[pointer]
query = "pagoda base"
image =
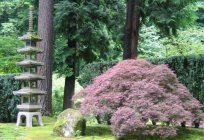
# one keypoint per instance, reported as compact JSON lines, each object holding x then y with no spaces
{"x":28,"y":117}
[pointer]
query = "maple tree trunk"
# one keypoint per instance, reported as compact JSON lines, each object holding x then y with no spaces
{"x":154,"y":122}
{"x":45,"y":31}
{"x":132,"y":26}
{"x":98,"y":119}
{"x":183,"y":124}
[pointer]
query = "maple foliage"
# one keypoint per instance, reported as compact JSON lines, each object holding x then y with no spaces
{"x":136,"y":91}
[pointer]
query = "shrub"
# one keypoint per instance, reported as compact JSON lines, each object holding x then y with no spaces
{"x":189,"y":70}
{"x":162,"y":131}
{"x":8,"y":101}
{"x":57,"y":104}
{"x":9,"y":55}
{"x":152,"y":91}
{"x":126,"y":122}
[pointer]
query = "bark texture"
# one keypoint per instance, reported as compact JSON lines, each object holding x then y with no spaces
{"x":68,"y":91}
{"x":69,"y":87}
{"x":132,"y":26}
{"x":45,"y":31}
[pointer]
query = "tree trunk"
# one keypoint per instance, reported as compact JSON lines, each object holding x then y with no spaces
{"x":69,"y":87}
{"x":196,"y":123}
{"x":154,"y":123}
{"x":132,"y":26}
{"x":183,"y":124}
{"x":98,"y":119}
{"x":45,"y":31}
{"x":68,"y":91}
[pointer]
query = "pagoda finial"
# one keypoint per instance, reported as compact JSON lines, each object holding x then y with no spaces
{"x":30,"y":19}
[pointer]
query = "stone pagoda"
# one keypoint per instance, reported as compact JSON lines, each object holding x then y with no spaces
{"x":29,"y":92}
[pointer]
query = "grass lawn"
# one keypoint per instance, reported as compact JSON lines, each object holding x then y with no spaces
{"x":9,"y":131}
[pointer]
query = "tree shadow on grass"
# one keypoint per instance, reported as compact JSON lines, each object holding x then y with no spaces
{"x":183,"y":134}
{"x":99,"y":130}
{"x":190,"y":134}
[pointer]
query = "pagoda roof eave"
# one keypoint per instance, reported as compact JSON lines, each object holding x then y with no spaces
{"x":29,"y":107}
{"x":28,"y":63}
{"x":30,"y":36}
{"x":29,"y":91}
{"x":29,"y":76}
{"x":29,"y":50}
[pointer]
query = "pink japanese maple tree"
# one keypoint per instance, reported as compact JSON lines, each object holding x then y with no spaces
{"x":136,"y":91}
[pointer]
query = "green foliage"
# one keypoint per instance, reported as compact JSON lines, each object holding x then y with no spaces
{"x":200,"y":13}
{"x":169,"y":15}
{"x":60,"y":56}
{"x":8,"y":101}
{"x":57,"y":105}
{"x":14,"y":15}
{"x":13,"y":20}
{"x":96,"y":32}
{"x":77,"y":133}
{"x":8,"y":29}
{"x":187,"y":42}
{"x":9,"y":55}
{"x":150,"y":43}
{"x":90,"y":71}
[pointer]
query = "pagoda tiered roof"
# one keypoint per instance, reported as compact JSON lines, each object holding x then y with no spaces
{"x":29,"y":49}
{"x":29,"y":91}
{"x":30,"y":36}
{"x":28,"y":63}
{"x":29,"y":76}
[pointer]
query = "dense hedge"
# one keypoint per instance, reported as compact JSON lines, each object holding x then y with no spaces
{"x":90,"y":71}
{"x":189,"y":70}
{"x":8,"y":101}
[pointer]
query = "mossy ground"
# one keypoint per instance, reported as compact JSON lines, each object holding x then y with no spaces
{"x":9,"y":131}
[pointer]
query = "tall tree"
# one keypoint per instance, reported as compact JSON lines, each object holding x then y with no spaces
{"x":45,"y":30}
{"x":70,"y":80}
{"x":167,"y":15}
{"x":131,"y":29}
{"x":89,"y":27}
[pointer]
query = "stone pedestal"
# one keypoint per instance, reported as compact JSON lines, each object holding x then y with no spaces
{"x":28,"y":117}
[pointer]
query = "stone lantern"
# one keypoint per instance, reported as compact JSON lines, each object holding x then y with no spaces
{"x":29,"y":92}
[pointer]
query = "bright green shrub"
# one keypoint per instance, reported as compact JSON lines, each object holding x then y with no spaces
{"x":8,"y":101}
{"x":9,"y":55}
{"x":57,"y":104}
